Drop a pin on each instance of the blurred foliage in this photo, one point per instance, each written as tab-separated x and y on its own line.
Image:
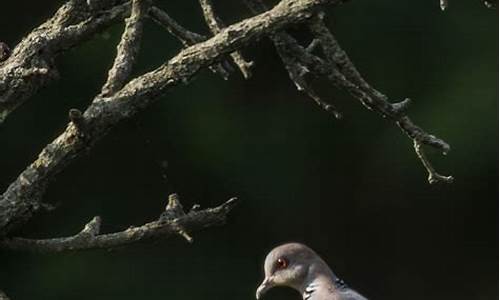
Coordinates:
351	189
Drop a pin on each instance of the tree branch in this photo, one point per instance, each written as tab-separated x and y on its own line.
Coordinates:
350	79
215	25
23	197
128	49
186	37
296	70
173	222
433	177
31	65
338	68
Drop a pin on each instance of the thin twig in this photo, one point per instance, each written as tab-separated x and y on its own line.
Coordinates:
296	70
127	49
434	177
338	68
185	36
352	80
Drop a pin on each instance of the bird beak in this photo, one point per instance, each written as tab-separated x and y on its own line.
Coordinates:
263	288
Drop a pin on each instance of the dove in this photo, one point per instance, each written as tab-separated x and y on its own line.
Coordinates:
297	266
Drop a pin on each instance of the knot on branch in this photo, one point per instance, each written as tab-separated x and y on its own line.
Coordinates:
92	228
174	208
76	117
400	108
173	211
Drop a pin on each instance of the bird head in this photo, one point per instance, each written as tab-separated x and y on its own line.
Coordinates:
288	265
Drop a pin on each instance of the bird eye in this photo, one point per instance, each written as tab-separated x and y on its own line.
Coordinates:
281	263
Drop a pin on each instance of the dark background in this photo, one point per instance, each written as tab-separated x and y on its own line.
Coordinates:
353	190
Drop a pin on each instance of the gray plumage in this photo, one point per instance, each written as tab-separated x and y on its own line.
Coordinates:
299	267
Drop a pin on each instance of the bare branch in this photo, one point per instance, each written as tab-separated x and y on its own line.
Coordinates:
31	65
76	33
127	50
167	226
216	25
186	37
23	197
352	80
339	69
296	70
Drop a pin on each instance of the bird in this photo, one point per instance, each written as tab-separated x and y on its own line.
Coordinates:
297	266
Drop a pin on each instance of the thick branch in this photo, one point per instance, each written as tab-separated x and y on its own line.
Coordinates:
23	197
216	25
31	66
173	222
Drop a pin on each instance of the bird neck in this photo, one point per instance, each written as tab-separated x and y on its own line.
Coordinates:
319	277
